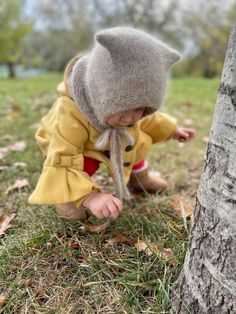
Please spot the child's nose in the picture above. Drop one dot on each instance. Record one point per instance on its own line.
(127, 118)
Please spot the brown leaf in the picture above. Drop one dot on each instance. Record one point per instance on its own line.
(142, 246)
(17, 146)
(3, 301)
(181, 208)
(165, 253)
(5, 223)
(27, 282)
(73, 244)
(157, 249)
(19, 184)
(95, 228)
(41, 292)
(121, 238)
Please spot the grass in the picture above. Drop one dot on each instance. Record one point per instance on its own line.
(39, 272)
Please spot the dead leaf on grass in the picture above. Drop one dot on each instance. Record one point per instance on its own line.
(181, 208)
(5, 223)
(95, 228)
(27, 282)
(142, 246)
(121, 238)
(73, 244)
(19, 146)
(19, 164)
(156, 249)
(19, 184)
(3, 301)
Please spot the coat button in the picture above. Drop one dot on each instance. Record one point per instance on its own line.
(128, 148)
(126, 164)
(107, 153)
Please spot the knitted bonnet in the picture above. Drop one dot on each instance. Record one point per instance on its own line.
(126, 69)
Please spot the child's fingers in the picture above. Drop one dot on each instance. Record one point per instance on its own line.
(106, 212)
(118, 204)
(113, 210)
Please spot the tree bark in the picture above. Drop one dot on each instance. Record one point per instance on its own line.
(11, 70)
(207, 283)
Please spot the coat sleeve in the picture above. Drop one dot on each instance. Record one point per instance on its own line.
(159, 126)
(63, 179)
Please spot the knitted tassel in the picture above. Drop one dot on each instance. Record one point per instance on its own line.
(113, 137)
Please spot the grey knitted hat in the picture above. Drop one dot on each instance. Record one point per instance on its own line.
(126, 69)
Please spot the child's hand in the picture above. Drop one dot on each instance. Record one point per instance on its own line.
(103, 205)
(183, 134)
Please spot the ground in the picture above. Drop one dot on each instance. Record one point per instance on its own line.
(50, 266)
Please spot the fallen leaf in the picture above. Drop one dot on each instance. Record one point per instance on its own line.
(95, 228)
(157, 249)
(181, 208)
(19, 164)
(165, 253)
(5, 223)
(19, 184)
(17, 146)
(41, 292)
(27, 282)
(121, 238)
(73, 244)
(3, 301)
(142, 246)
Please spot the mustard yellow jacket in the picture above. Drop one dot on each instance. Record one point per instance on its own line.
(65, 137)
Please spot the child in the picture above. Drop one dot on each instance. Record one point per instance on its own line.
(106, 113)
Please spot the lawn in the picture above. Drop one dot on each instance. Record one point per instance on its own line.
(50, 266)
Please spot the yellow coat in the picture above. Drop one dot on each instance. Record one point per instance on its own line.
(65, 137)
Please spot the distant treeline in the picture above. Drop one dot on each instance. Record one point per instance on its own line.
(52, 32)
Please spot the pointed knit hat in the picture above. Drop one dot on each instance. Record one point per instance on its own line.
(126, 69)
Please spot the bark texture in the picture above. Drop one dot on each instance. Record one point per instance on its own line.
(207, 283)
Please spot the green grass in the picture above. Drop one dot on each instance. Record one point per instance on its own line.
(95, 278)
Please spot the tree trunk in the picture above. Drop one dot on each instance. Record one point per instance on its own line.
(207, 283)
(11, 70)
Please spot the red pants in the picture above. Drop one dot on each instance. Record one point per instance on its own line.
(91, 165)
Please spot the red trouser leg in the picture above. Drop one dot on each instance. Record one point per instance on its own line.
(139, 166)
(91, 165)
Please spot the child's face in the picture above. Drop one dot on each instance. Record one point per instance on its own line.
(125, 118)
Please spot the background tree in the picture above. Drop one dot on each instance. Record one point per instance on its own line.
(208, 280)
(62, 31)
(13, 29)
(206, 31)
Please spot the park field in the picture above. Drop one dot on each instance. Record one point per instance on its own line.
(48, 265)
